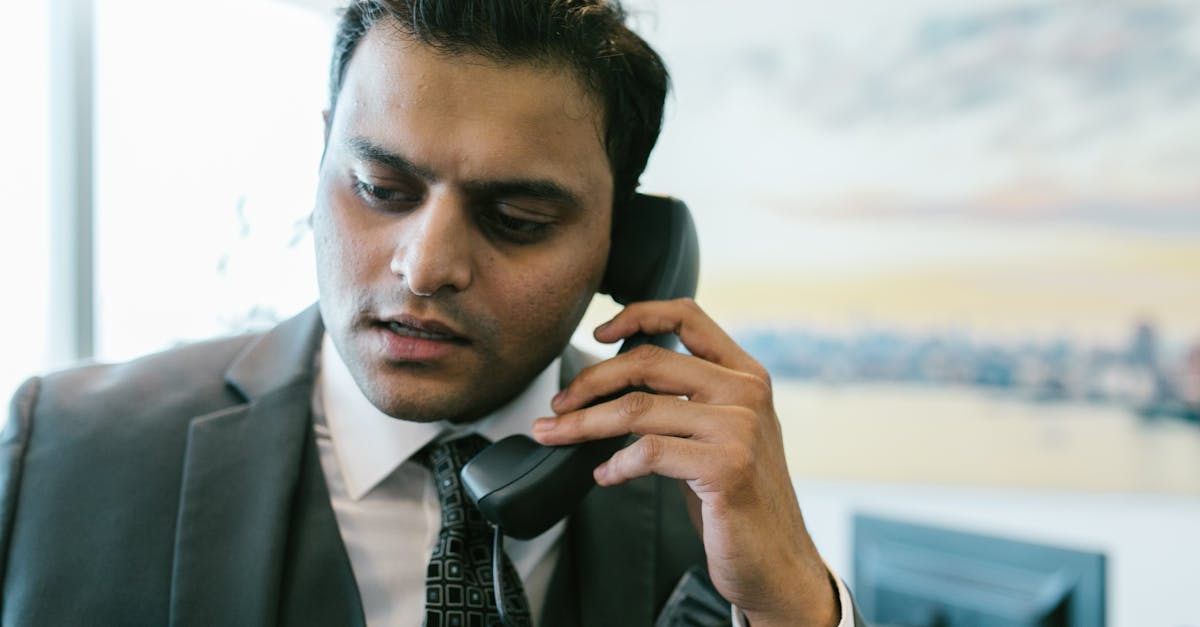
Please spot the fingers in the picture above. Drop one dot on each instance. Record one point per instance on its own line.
(680, 439)
(683, 317)
(655, 454)
(707, 440)
(639, 413)
(661, 370)
(718, 371)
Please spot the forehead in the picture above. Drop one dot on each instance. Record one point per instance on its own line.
(465, 114)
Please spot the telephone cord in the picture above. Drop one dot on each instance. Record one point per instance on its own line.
(497, 576)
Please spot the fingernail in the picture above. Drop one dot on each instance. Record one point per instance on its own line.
(542, 425)
(558, 397)
(601, 470)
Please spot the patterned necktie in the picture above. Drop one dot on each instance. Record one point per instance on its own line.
(458, 582)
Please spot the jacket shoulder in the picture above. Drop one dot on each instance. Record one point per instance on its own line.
(188, 379)
(113, 411)
(91, 463)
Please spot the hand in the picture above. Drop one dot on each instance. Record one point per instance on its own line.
(723, 442)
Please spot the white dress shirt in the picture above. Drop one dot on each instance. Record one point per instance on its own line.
(387, 507)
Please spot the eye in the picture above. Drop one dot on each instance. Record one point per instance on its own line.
(379, 195)
(515, 226)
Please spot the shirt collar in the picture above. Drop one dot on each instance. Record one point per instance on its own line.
(370, 444)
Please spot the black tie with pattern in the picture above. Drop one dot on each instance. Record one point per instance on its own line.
(458, 582)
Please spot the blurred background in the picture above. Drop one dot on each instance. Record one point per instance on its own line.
(963, 236)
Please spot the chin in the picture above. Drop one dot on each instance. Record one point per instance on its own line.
(418, 403)
(416, 407)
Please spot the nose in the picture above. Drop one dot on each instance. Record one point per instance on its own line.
(433, 249)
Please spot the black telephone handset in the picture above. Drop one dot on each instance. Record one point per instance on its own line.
(525, 488)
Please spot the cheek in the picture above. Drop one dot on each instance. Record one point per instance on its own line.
(551, 302)
(341, 248)
(330, 249)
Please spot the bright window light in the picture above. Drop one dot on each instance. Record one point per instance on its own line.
(24, 222)
(209, 136)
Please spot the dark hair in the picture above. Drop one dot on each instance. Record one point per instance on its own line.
(589, 36)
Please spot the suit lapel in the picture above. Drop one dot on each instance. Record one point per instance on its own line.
(240, 474)
(237, 498)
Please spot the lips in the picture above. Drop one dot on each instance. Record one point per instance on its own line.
(411, 339)
(402, 329)
(412, 326)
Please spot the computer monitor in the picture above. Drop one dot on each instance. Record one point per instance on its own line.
(922, 576)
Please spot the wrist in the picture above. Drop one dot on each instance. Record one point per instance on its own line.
(810, 602)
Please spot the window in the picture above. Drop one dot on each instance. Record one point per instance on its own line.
(24, 167)
(209, 133)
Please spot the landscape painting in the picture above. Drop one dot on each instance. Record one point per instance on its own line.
(963, 237)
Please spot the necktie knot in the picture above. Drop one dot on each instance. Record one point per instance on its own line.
(448, 457)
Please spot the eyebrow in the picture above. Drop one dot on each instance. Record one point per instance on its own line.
(367, 150)
(536, 189)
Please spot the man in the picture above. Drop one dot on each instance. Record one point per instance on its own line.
(475, 155)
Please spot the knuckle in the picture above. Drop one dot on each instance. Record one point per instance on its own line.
(687, 310)
(757, 390)
(763, 375)
(634, 405)
(648, 354)
(650, 449)
(760, 384)
(745, 423)
(638, 310)
(740, 458)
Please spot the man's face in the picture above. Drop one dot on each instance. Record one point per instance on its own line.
(461, 225)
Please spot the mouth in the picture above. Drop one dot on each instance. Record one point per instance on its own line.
(401, 329)
(405, 339)
(408, 326)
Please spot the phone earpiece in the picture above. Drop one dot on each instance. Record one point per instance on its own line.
(654, 253)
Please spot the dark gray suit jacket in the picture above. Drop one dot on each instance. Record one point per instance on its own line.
(183, 489)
